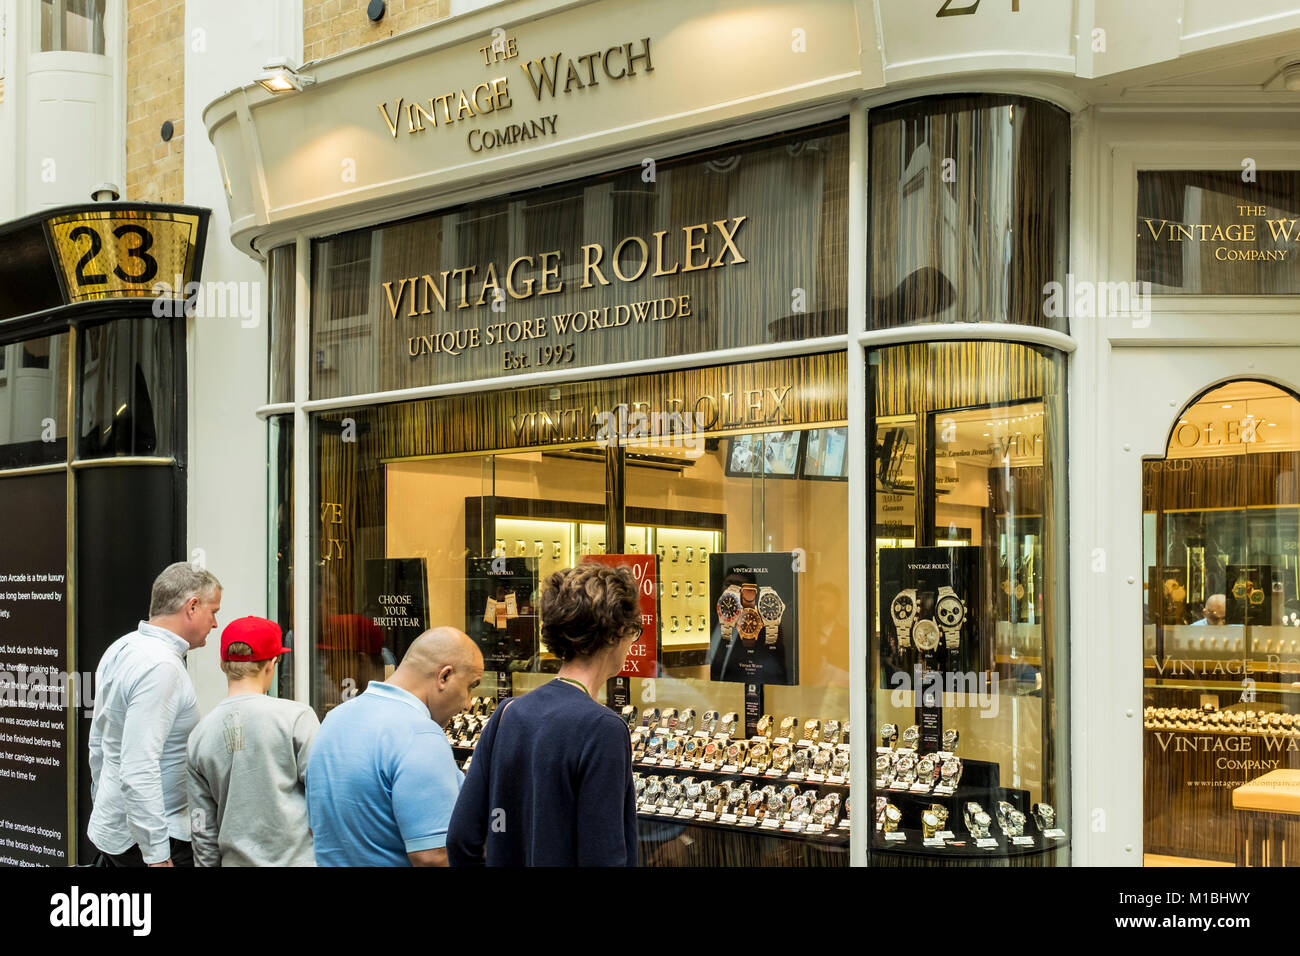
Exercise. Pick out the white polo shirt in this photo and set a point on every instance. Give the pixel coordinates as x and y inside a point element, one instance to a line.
<point>145,708</point>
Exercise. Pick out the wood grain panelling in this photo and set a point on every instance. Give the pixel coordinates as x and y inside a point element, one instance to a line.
<point>969,210</point>
<point>778,274</point>
<point>1230,481</point>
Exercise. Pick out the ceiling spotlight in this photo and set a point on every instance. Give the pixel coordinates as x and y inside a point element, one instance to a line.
<point>281,76</point>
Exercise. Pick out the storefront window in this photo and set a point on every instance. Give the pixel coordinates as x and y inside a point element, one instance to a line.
<point>740,245</point>
<point>34,402</point>
<point>969,679</point>
<point>282,273</point>
<point>970,204</point>
<point>132,388</point>
<point>75,25</point>
<point>725,487</point>
<point>1222,631</point>
<point>279,490</point>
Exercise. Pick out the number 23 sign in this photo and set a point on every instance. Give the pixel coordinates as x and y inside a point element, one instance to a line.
<point>124,253</point>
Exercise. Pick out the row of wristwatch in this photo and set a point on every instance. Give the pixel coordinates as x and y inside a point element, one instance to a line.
<point>669,739</point>
<point>977,820</point>
<point>899,765</point>
<point>465,727</point>
<point>1233,721</point>
<point>743,803</point>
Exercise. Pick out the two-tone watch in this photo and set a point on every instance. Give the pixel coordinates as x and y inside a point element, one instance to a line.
<point>781,758</point>
<point>1011,820</point>
<point>933,819</point>
<point>760,756</point>
<point>771,608</point>
<point>831,732</point>
<point>950,612</point>
<point>890,816</point>
<point>911,737</point>
<point>950,738</point>
<point>709,722</point>
<point>927,771</point>
<point>629,715</point>
<point>686,721</point>
<point>728,608</point>
<point>903,611</point>
<point>888,735</point>
<point>1044,816</point>
<point>950,773</point>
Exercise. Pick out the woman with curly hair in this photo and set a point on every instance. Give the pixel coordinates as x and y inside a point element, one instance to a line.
<point>551,779</point>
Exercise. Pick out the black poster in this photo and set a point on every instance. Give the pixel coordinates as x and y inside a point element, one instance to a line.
<point>754,610</point>
<point>929,614</point>
<point>1250,594</point>
<point>397,601</point>
<point>34,684</point>
<point>501,613</point>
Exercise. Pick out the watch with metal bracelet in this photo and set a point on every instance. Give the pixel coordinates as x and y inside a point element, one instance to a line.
<point>771,608</point>
<point>728,608</point>
<point>950,612</point>
<point>903,611</point>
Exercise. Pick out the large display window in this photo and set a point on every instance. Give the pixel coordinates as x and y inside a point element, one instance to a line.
<point>724,489</point>
<point>1221,632</point>
<point>969,678</point>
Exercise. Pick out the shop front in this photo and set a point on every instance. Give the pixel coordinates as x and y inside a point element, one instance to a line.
<point>801,347</point>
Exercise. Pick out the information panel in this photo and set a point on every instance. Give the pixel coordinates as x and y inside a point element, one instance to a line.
<point>34,735</point>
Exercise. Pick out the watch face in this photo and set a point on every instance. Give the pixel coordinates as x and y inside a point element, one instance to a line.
<point>750,623</point>
<point>926,635</point>
<point>728,607</point>
<point>888,734</point>
<point>950,612</point>
<point>903,607</point>
<point>781,757</point>
<point>770,606</point>
<point>950,740</point>
<point>787,727</point>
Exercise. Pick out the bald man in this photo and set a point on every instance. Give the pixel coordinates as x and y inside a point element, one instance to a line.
<point>382,781</point>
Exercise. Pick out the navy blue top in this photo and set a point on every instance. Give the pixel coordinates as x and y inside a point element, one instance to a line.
<point>550,785</point>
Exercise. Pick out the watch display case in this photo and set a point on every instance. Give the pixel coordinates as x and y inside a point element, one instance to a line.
<point>968,613</point>
<point>1221,622</point>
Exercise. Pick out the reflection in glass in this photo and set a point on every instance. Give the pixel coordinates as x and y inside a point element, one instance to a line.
<point>34,402</point>
<point>129,395</point>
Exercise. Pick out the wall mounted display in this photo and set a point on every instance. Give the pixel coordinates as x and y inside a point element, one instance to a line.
<point>501,613</point>
<point>824,454</point>
<point>755,618</point>
<point>774,455</point>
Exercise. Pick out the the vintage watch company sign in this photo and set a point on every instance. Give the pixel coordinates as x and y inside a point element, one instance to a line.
<point>1234,241</point>
<point>484,111</point>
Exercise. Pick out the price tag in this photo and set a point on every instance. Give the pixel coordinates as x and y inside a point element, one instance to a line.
<point>666,811</point>
<point>780,740</point>
<point>751,771</point>
<point>844,824</point>
<point>771,772</point>
<point>1054,834</point>
<point>669,762</point>
<point>833,778</point>
<point>748,821</point>
<point>986,843</point>
<point>793,826</point>
<point>771,824</point>
<point>945,835</point>
<point>686,813</point>
<point>701,733</point>
<point>728,768</point>
<point>943,790</point>
<point>1023,840</point>
<point>932,841</point>
<point>707,766</point>
<point>795,775</point>
<point>729,818</point>
<point>816,778</point>
<point>895,837</point>
<point>816,828</point>
<point>919,788</point>
<point>708,815</point>
<point>650,761</point>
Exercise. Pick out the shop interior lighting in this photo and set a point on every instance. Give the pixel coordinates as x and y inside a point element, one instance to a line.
<point>281,76</point>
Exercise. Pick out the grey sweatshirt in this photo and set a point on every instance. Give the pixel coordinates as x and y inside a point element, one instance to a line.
<point>247,760</point>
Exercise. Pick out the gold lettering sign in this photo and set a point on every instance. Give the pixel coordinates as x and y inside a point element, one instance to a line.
<point>539,341</point>
<point>548,78</point>
<point>1281,230</point>
<point>124,253</point>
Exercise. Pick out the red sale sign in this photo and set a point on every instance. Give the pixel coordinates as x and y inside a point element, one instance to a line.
<point>643,657</point>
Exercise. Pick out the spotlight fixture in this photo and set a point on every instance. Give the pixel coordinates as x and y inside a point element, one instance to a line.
<point>105,192</point>
<point>281,76</point>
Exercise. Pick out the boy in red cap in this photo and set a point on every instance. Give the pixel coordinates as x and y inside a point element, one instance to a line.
<point>247,760</point>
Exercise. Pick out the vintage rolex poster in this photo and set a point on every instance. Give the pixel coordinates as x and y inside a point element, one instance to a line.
<point>754,612</point>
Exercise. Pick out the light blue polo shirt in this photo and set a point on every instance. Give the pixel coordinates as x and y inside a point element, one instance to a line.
<point>381,781</point>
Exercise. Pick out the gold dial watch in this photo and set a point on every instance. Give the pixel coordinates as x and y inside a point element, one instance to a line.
<point>750,623</point>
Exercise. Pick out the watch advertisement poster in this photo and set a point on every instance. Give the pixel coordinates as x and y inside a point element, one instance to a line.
<point>500,614</point>
<point>1250,595</point>
<point>754,612</point>
<point>929,613</point>
<point>643,656</point>
<point>397,601</point>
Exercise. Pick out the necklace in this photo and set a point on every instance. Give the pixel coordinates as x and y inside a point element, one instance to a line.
<point>575,683</point>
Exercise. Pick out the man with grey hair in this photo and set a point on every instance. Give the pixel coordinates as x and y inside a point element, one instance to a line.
<point>145,708</point>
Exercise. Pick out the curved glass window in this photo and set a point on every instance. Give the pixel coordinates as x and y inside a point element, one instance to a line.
<point>130,388</point>
<point>970,211</point>
<point>969,678</point>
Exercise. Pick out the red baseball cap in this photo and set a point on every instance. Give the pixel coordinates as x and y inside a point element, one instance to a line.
<point>261,635</point>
